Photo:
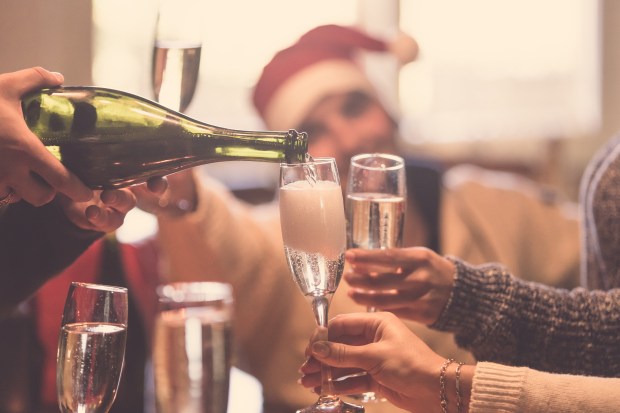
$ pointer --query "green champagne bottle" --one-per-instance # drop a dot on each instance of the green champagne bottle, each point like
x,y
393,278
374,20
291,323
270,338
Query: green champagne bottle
x,y
113,139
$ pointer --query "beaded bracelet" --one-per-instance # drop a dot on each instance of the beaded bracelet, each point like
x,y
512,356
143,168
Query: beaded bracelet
x,y
459,398
443,399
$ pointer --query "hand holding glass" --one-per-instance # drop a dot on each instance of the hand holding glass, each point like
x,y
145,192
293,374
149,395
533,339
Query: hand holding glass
x,y
313,230
91,347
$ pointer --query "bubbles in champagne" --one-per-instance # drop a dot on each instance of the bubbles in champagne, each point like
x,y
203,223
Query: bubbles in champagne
x,y
90,361
314,273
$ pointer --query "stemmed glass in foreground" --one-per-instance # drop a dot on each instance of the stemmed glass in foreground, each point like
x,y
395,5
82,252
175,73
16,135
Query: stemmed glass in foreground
x,y
91,347
313,230
375,209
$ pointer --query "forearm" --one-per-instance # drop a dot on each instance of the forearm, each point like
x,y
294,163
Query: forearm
x,y
35,244
220,240
518,389
504,319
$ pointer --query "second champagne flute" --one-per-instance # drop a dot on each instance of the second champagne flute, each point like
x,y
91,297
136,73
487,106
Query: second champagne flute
x,y
176,52
375,209
376,201
313,231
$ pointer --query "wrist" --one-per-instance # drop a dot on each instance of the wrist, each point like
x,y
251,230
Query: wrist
x,y
177,208
175,205
455,384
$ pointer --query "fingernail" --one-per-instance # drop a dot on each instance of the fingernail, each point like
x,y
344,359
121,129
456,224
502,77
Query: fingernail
x,y
109,197
349,255
320,349
58,76
92,212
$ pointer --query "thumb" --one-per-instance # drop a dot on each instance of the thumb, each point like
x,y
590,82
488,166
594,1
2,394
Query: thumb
x,y
340,355
33,78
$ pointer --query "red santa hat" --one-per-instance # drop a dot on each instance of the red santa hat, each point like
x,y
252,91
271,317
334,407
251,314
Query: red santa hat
x,y
321,63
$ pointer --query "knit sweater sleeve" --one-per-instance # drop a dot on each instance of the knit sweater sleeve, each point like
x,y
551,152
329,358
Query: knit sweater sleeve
x,y
504,319
519,389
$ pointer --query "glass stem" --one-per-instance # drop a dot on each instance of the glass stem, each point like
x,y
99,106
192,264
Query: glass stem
x,y
320,307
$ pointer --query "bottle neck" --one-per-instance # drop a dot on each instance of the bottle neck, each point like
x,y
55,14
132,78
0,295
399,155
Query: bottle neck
x,y
271,146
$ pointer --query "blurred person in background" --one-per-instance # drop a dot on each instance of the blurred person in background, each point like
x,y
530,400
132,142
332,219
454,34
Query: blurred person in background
x,y
52,232
316,85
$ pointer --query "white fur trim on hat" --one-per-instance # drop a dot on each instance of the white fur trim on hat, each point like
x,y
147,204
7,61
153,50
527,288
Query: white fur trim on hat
x,y
293,100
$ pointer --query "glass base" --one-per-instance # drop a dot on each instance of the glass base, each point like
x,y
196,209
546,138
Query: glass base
x,y
332,405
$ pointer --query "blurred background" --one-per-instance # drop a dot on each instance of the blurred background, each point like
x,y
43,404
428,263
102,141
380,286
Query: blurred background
x,y
520,85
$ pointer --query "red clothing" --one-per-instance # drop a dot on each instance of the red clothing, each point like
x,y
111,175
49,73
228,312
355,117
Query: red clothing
x,y
139,268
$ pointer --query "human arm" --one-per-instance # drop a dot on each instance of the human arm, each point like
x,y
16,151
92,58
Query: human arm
x,y
28,170
403,369
38,242
497,316
509,389
399,366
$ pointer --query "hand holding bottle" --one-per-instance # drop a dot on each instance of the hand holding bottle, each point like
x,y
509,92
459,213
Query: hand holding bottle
x,y
413,283
27,169
106,211
399,365
179,198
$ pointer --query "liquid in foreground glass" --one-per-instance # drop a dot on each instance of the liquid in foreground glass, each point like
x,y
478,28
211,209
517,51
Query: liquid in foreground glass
x,y
91,347
313,231
192,349
375,209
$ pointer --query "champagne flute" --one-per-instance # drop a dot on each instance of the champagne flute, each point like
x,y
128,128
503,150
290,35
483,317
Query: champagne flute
x,y
375,209
313,231
91,347
176,52
192,349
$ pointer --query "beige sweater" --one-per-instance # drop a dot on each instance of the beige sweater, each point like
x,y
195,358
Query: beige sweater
x,y
229,241
498,388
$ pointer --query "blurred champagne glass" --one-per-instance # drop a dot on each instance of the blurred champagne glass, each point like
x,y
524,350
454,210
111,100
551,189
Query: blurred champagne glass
x,y
91,347
192,349
376,200
176,52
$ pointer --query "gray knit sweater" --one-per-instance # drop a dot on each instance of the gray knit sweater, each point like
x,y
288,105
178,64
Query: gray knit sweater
x,y
503,319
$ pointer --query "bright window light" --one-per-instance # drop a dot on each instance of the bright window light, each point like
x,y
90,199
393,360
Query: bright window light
x,y
501,69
